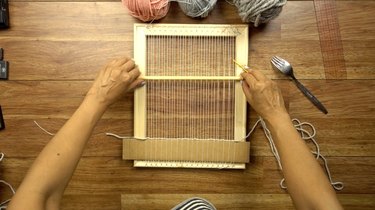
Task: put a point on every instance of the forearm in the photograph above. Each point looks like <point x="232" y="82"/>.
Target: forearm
<point x="306" y="181"/>
<point x="44" y="184"/>
<point x="54" y="166"/>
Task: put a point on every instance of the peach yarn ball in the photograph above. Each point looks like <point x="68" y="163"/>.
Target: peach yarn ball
<point x="147" y="10"/>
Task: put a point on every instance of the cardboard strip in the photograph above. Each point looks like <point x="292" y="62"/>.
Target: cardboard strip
<point x="187" y="150"/>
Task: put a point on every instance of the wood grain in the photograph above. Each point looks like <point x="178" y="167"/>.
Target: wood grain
<point x="350" y="99"/>
<point x="55" y="50"/>
<point x="92" y="202"/>
<point x="60" y="60"/>
<point x="43" y="99"/>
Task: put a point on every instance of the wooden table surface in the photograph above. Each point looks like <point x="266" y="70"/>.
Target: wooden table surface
<point x="56" y="48"/>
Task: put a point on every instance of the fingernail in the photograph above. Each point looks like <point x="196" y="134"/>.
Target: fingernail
<point x="241" y="81"/>
<point x="143" y="83"/>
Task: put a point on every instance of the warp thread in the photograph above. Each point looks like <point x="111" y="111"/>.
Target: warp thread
<point x="305" y="135"/>
<point x="258" y="11"/>
<point x="3" y="205"/>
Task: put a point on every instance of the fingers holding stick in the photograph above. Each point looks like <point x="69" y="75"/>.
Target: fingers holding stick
<point x="249" y="79"/>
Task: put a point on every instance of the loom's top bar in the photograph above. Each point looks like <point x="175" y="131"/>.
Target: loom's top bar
<point x="190" y="29"/>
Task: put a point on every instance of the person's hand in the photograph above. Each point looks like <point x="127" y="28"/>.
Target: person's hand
<point x="263" y="95"/>
<point x="118" y="77"/>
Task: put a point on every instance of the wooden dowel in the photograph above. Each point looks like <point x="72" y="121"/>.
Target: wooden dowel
<point x="191" y="77"/>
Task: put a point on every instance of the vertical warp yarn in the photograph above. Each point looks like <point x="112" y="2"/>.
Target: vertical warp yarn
<point x="147" y="10"/>
<point x="197" y="8"/>
<point x="258" y="11"/>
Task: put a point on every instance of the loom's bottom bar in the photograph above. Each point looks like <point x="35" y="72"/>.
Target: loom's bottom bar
<point x="187" y="164"/>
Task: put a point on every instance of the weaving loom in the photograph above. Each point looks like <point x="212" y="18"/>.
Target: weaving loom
<point x="192" y="111"/>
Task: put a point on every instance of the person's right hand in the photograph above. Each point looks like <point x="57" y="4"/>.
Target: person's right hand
<point x="263" y="95"/>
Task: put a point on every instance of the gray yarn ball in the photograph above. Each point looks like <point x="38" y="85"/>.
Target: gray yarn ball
<point x="258" y="11"/>
<point x="197" y="8"/>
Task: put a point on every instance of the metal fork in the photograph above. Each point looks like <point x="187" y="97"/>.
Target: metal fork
<point x="287" y="69"/>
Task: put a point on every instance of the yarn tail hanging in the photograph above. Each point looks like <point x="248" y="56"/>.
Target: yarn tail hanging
<point x="258" y="11"/>
<point x="306" y="135"/>
<point x="147" y="10"/>
<point x="197" y="8"/>
<point x="3" y="204"/>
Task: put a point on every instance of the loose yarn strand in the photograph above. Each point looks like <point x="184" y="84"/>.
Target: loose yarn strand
<point x="124" y="137"/>
<point x="305" y="135"/>
<point x="3" y="205"/>
<point x="253" y="128"/>
<point x="45" y="131"/>
<point x="108" y="134"/>
<point x="272" y="144"/>
<point x="335" y="185"/>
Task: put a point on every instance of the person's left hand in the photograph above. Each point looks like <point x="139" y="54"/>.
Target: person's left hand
<point x="118" y="77"/>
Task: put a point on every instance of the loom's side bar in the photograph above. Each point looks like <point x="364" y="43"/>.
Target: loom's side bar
<point x="140" y="120"/>
<point x="240" y="99"/>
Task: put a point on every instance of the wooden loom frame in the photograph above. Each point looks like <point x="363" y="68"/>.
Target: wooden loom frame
<point x="141" y="31"/>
